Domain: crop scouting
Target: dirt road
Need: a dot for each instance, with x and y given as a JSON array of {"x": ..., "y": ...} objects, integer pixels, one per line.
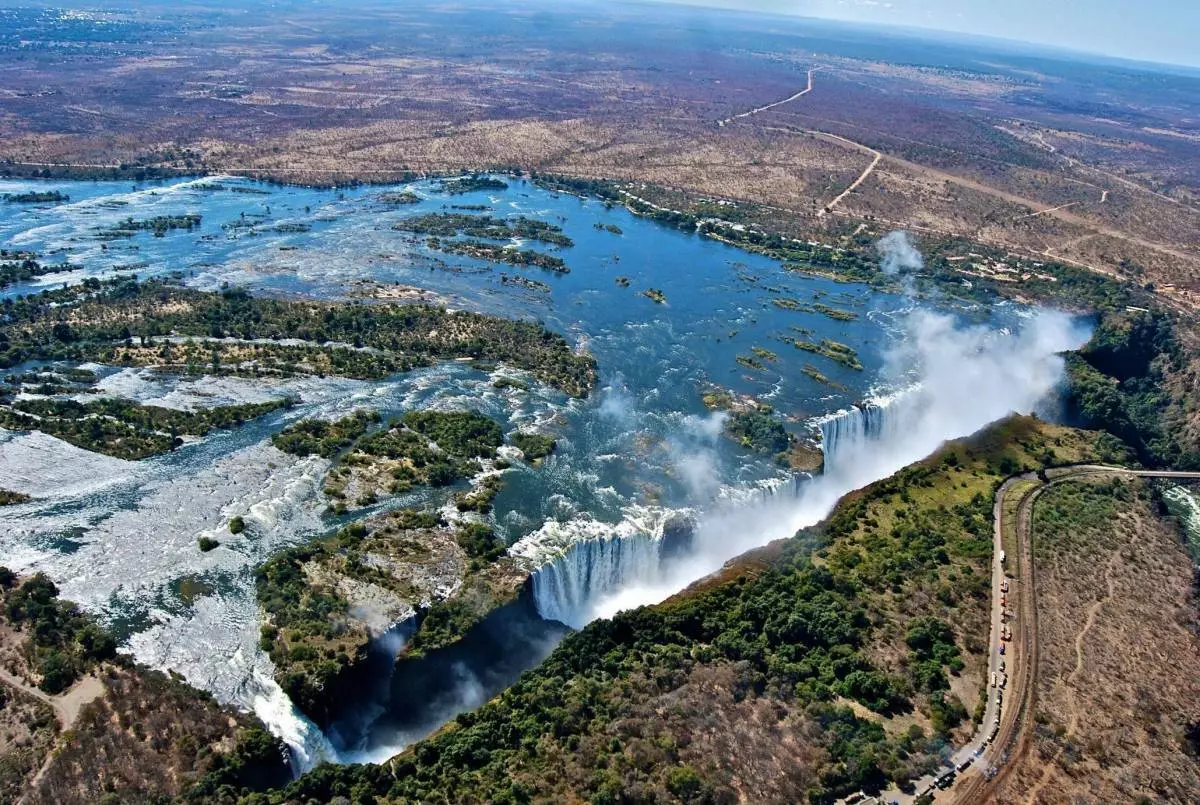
[
  {"x": 788, "y": 99},
  {"x": 66, "y": 705}
]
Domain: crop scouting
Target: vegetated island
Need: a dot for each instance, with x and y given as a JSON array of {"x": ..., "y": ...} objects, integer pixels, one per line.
[
  {"x": 121, "y": 428},
  {"x": 408, "y": 564},
  {"x": 834, "y": 350},
  {"x": 8, "y": 498},
  {"x": 754, "y": 426},
  {"x": 787, "y": 303},
  {"x": 160, "y": 225},
  {"x": 156, "y": 324},
  {"x": 37, "y": 197},
  {"x": 19, "y": 266},
  {"x": 472, "y": 184},
  {"x": 421, "y": 448},
  {"x": 399, "y": 198},
  {"x": 495, "y": 253},
  {"x": 486, "y": 227}
]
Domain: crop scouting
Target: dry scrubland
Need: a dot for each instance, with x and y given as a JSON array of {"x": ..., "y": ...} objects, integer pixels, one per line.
[
  {"x": 1118, "y": 685},
  {"x": 80, "y": 725},
  {"x": 972, "y": 144}
]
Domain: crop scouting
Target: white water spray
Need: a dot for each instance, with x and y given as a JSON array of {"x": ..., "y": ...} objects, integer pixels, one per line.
[{"x": 960, "y": 380}]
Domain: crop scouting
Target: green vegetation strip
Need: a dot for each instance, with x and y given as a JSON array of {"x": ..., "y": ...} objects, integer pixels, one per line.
[
  {"x": 472, "y": 184},
  {"x": 492, "y": 252},
  {"x": 834, "y": 350},
  {"x": 487, "y": 227},
  {"x": 21, "y": 267},
  {"x": 124, "y": 322},
  {"x": 126, "y": 429}
]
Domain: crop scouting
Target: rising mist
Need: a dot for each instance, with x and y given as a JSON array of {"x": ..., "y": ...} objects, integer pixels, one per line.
[{"x": 956, "y": 379}]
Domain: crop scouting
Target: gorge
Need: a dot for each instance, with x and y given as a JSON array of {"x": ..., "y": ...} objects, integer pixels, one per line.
[{"x": 642, "y": 496}]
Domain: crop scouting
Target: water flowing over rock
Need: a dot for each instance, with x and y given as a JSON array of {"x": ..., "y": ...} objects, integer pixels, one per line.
[
  {"x": 568, "y": 586},
  {"x": 847, "y": 433},
  {"x": 564, "y": 589}
]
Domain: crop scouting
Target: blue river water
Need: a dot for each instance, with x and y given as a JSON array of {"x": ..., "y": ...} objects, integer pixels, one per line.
[{"x": 120, "y": 537}]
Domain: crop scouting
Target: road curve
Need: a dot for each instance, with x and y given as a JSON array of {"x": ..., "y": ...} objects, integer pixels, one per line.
[{"x": 1011, "y": 736}]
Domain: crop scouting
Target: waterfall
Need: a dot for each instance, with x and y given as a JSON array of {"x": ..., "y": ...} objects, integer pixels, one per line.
[
  {"x": 571, "y": 584},
  {"x": 565, "y": 589},
  {"x": 848, "y": 433}
]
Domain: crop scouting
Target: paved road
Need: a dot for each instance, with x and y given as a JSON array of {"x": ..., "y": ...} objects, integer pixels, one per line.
[
  {"x": 1003, "y": 735},
  {"x": 1012, "y": 733}
]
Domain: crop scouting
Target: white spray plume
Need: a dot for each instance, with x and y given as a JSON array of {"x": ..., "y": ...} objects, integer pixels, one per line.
[
  {"x": 963, "y": 378},
  {"x": 897, "y": 253}
]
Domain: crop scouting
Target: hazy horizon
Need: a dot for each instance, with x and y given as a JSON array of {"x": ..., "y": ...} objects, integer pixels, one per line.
[{"x": 1161, "y": 32}]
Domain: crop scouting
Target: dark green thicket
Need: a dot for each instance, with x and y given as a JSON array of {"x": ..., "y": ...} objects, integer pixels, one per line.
[
  {"x": 23, "y": 266},
  {"x": 533, "y": 446},
  {"x": 460, "y": 433},
  {"x": 1121, "y": 381},
  {"x": 758, "y": 430},
  {"x": 323, "y": 437}
]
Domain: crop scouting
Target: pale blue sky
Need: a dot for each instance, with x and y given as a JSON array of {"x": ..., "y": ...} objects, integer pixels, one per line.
[{"x": 1150, "y": 30}]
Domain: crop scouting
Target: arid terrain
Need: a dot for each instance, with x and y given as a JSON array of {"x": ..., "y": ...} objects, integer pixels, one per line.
[
  {"x": 1115, "y": 716},
  {"x": 1088, "y": 165}
]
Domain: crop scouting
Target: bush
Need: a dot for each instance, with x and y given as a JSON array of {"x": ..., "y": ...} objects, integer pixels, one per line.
[
  {"x": 237, "y": 525},
  {"x": 208, "y": 543},
  {"x": 57, "y": 671}
]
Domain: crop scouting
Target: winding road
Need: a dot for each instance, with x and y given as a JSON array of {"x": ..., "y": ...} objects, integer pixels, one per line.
[{"x": 991, "y": 757}]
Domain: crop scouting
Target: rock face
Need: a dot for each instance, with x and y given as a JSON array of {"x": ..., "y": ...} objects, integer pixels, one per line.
[
  {"x": 325, "y": 603},
  {"x": 805, "y": 456}
]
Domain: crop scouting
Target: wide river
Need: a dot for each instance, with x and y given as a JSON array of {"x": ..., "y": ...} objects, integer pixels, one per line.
[{"x": 120, "y": 537}]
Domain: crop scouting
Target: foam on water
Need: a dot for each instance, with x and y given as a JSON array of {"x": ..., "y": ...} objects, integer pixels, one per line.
[{"x": 596, "y": 520}]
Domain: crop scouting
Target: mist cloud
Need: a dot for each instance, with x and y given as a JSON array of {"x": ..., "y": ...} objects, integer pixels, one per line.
[
  {"x": 959, "y": 379},
  {"x": 897, "y": 253}
]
